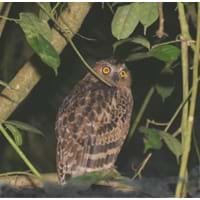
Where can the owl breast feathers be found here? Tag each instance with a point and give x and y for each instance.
(93, 121)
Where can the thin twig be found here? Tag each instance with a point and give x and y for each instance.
(141, 112)
(19, 151)
(110, 7)
(160, 32)
(3, 21)
(139, 171)
(153, 122)
(17, 173)
(164, 43)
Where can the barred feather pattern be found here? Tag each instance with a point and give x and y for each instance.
(91, 127)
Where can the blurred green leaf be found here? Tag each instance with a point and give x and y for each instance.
(24, 126)
(173, 144)
(42, 14)
(37, 36)
(125, 20)
(148, 14)
(165, 53)
(152, 138)
(165, 85)
(137, 40)
(16, 134)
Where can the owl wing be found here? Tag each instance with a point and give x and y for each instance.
(95, 123)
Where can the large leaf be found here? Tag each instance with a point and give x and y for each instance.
(165, 53)
(148, 14)
(173, 144)
(16, 134)
(37, 35)
(153, 141)
(24, 126)
(125, 20)
(165, 85)
(152, 138)
(137, 40)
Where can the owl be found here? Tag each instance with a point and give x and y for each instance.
(93, 121)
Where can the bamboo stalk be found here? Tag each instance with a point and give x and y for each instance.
(181, 185)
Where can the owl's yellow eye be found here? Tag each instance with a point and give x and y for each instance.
(106, 70)
(123, 74)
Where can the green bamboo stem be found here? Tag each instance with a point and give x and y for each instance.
(196, 146)
(19, 151)
(185, 66)
(188, 132)
(185, 80)
(184, 24)
(185, 87)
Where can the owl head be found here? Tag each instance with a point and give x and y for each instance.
(115, 73)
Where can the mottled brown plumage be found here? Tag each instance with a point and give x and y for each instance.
(93, 121)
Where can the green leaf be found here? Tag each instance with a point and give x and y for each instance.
(42, 14)
(16, 134)
(125, 21)
(4, 84)
(165, 53)
(148, 14)
(165, 85)
(30, 24)
(35, 32)
(152, 138)
(24, 126)
(172, 143)
(137, 40)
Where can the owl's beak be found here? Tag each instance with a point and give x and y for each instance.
(115, 77)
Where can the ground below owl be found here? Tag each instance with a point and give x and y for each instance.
(93, 121)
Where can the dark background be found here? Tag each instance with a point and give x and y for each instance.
(40, 107)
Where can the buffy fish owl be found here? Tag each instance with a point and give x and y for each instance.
(93, 121)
